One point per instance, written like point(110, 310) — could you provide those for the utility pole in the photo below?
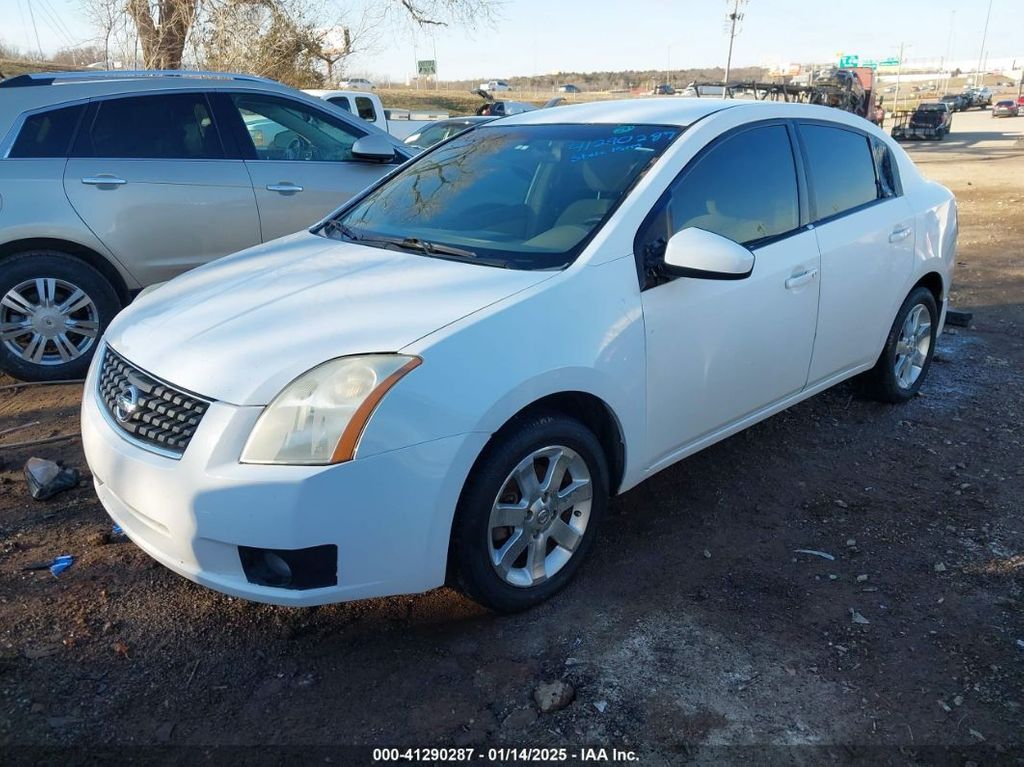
point(899, 72)
point(733, 17)
point(981, 53)
point(949, 51)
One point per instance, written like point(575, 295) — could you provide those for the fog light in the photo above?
point(312, 568)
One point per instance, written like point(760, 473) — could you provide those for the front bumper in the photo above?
point(389, 515)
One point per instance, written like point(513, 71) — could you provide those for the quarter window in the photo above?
point(174, 126)
point(885, 170)
point(281, 129)
point(47, 134)
point(842, 169)
point(743, 188)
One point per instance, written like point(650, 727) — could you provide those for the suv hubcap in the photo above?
point(913, 346)
point(540, 515)
point(48, 321)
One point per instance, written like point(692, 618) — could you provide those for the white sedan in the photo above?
point(448, 378)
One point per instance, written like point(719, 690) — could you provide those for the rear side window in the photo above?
point(743, 188)
point(48, 134)
point(842, 169)
point(175, 126)
point(364, 107)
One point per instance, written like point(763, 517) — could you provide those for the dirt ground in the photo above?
point(694, 625)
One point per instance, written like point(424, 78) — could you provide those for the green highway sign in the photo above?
point(427, 67)
point(889, 63)
point(849, 61)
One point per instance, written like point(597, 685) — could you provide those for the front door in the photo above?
point(720, 350)
point(148, 175)
point(300, 160)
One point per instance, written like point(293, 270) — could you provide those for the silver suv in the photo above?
point(112, 181)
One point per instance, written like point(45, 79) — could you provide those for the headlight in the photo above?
point(320, 416)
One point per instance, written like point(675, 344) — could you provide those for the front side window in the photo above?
point(47, 134)
point(842, 169)
point(524, 197)
point(743, 188)
point(281, 129)
point(173, 126)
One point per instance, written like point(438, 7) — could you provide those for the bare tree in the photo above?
point(106, 16)
point(164, 26)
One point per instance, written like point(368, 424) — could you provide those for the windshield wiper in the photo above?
point(434, 248)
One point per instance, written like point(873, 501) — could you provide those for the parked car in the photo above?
point(364, 104)
point(663, 90)
point(114, 181)
point(931, 119)
point(979, 97)
point(358, 83)
point(495, 86)
point(958, 102)
point(449, 377)
point(1020, 102)
point(436, 132)
point(568, 88)
point(1005, 108)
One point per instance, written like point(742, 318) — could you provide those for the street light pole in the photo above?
point(981, 53)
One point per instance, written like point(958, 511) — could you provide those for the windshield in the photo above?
point(522, 197)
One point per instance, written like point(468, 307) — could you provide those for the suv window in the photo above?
point(47, 134)
point(175, 126)
point(744, 187)
point(364, 107)
point(842, 169)
point(282, 129)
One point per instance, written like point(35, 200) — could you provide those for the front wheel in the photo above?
point(529, 512)
point(909, 348)
point(53, 311)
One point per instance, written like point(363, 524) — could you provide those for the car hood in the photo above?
point(239, 329)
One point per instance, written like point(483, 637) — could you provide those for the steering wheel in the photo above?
point(299, 149)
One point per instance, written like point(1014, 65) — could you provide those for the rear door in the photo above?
point(865, 232)
point(149, 176)
point(299, 158)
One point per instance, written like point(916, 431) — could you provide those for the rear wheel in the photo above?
point(909, 348)
point(529, 512)
point(53, 311)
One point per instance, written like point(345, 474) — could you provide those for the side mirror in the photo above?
point(373, 149)
point(703, 255)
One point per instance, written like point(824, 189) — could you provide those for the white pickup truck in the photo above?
point(400, 123)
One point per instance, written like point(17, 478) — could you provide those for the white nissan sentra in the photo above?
point(447, 379)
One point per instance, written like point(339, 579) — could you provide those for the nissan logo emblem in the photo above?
point(126, 403)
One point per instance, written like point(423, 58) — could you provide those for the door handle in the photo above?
point(801, 279)
point(104, 179)
point(900, 233)
point(284, 187)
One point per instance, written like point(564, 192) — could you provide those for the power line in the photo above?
point(35, 28)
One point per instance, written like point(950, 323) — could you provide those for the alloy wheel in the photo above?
point(540, 516)
point(48, 321)
point(912, 348)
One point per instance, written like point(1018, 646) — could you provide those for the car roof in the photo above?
point(681, 111)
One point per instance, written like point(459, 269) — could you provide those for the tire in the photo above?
point(883, 382)
point(38, 341)
point(478, 543)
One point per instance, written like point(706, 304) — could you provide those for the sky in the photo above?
point(535, 37)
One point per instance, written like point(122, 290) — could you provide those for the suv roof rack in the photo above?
point(50, 78)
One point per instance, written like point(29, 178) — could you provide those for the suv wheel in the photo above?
point(53, 311)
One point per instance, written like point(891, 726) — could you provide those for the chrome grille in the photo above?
point(147, 409)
